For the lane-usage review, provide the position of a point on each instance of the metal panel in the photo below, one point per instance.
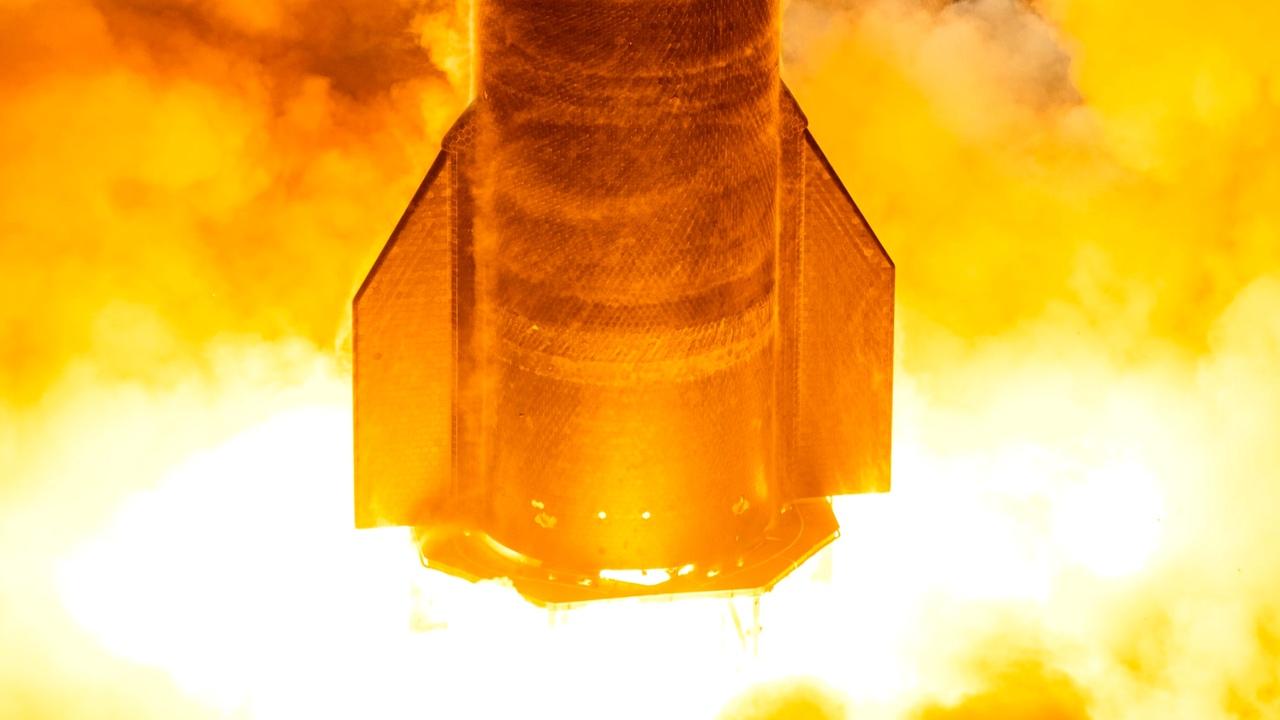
(404, 364)
(845, 371)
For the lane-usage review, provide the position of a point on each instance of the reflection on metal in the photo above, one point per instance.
(631, 321)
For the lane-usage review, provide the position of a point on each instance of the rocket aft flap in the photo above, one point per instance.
(631, 321)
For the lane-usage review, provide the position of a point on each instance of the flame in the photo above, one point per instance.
(1080, 197)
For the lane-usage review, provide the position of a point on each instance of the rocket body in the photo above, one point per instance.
(632, 172)
(596, 340)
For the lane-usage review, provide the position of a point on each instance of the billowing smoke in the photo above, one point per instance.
(1079, 196)
(204, 168)
(190, 193)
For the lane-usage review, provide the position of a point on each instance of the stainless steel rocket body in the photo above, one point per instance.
(626, 242)
(630, 320)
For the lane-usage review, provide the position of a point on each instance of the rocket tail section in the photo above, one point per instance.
(415, 443)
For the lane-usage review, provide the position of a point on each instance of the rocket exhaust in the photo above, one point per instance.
(631, 321)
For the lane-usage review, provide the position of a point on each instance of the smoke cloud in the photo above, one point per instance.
(203, 168)
(1077, 199)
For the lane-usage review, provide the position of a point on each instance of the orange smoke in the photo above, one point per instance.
(1079, 196)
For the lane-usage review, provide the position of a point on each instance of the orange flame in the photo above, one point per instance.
(1080, 197)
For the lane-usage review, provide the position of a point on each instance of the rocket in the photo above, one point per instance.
(632, 333)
